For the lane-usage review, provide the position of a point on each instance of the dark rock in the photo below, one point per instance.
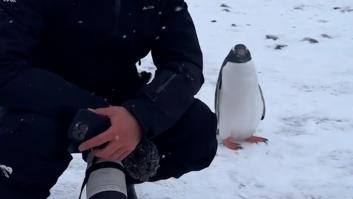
(346, 9)
(273, 37)
(310, 40)
(223, 5)
(322, 21)
(300, 7)
(326, 36)
(280, 46)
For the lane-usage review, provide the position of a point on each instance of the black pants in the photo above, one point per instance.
(35, 148)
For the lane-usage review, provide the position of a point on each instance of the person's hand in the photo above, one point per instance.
(121, 138)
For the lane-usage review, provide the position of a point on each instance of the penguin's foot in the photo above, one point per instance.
(255, 139)
(231, 144)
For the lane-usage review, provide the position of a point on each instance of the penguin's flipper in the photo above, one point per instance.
(231, 57)
(217, 97)
(217, 94)
(219, 84)
(264, 104)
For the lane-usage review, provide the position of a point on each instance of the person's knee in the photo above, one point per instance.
(34, 147)
(202, 128)
(33, 133)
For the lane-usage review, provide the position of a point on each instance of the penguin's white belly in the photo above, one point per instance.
(240, 103)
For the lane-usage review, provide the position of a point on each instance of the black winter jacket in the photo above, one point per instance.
(57, 56)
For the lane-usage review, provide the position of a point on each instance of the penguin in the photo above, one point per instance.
(239, 101)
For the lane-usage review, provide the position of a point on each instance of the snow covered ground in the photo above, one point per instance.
(308, 86)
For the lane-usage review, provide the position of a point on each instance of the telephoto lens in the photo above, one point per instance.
(104, 179)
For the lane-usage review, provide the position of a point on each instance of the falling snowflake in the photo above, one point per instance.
(178, 9)
(148, 8)
(9, 1)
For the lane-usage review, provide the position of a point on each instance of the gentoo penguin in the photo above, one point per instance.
(239, 102)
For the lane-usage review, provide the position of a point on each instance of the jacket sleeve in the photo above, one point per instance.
(178, 58)
(23, 86)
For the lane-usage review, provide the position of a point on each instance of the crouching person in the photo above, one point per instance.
(58, 58)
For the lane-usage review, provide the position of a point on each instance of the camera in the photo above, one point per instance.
(105, 179)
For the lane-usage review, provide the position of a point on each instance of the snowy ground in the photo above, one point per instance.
(309, 92)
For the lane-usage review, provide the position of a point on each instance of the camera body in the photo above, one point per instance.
(86, 125)
(105, 179)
